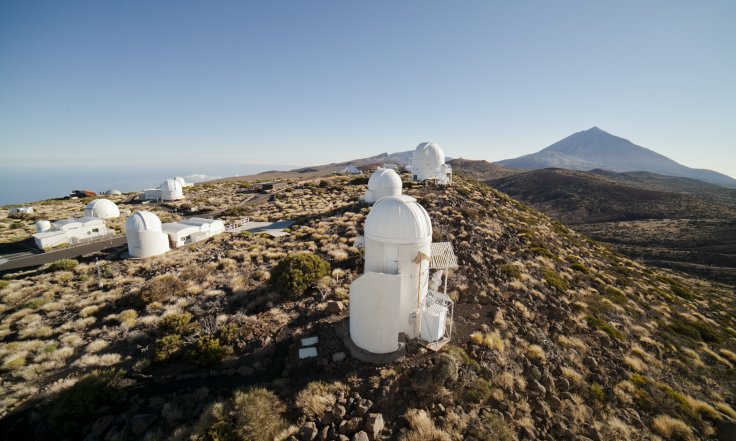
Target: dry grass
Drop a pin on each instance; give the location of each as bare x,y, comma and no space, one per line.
535,352
703,408
672,428
726,409
422,428
492,340
317,397
572,375
634,363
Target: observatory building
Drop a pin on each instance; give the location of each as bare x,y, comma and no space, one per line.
145,236
169,190
69,231
428,164
393,295
194,229
383,182
183,183
102,209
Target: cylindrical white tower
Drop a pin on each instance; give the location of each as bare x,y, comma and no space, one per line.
145,237
398,234
383,182
426,161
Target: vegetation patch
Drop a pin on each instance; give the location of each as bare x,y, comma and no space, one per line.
598,323
162,288
555,281
63,265
297,272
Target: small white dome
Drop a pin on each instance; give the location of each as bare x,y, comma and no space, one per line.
43,225
429,152
398,220
113,192
180,180
384,178
101,209
143,221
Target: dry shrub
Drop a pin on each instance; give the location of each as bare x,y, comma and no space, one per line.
672,428
726,409
634,363
258,414
162,288
317,397
703,408
615,429
491,341
535,352
422,427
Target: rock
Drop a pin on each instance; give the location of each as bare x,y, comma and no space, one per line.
308,431
334,307
339,411
102,423
374,424
337,357
554,403
139,423
327,419
726,430
324,433
360,436
343,438
353,425
246,370
534,372
526,433
343,429
563,385
590,362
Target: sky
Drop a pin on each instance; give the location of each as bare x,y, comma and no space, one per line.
310,82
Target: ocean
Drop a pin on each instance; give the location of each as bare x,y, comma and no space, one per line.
25,184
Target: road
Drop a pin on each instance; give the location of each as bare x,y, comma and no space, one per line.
35,260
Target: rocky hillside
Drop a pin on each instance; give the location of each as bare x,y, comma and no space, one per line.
554,337
597,149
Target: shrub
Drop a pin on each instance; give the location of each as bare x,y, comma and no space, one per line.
297,272
422,427
476,392
597,392
490,427
37,302
555,281
258,414
208,351
179,324
597,323
63,265
167,347
79,405
4,283
510,270
580,267
162,288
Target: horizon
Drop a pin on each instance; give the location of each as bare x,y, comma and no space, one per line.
184,83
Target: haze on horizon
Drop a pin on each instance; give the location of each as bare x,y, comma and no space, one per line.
183,82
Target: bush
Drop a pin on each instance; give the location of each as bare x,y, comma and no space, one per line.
167,347
79,405
672,428
490,427
179,324
555,281
296,273
597,392
63,265
208,351
317,397
597,323
37,302
510,270
162,288
476,392
580,267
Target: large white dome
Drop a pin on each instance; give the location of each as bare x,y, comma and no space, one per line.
143,221
171,189
384,178
429,152
398,220
102,209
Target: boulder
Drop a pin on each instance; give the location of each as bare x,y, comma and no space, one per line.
102,423
374,424
360,436
139,423
308,431
334,307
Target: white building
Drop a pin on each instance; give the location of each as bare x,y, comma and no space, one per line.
21,210
428,163
145,236
172,190
351,170
192,230
113,192
102,209
383,182
393,296
69,231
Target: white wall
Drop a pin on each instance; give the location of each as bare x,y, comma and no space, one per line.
147,243
374,312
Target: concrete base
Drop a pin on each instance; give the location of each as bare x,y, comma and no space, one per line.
342,329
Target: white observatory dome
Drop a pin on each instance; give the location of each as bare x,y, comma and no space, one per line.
180,180
171,190
43,225
426,161
101,209
383,182
398,220
143,221
113,192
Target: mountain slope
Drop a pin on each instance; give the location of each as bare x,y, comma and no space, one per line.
690,229
594,148
554,336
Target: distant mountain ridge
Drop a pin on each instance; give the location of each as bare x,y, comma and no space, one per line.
596,149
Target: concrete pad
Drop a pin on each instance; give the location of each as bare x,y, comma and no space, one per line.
307,352
310,341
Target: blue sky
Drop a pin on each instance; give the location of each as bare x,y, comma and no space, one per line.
307,82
